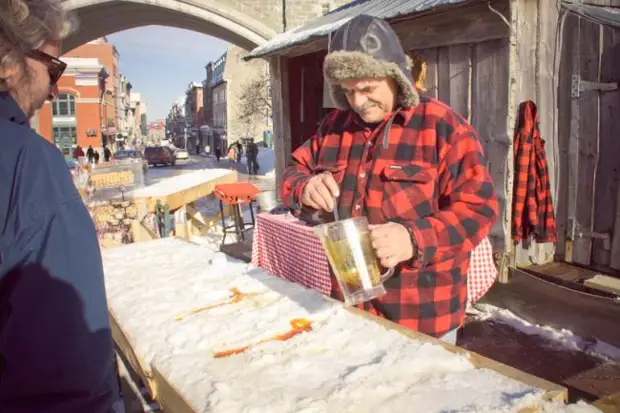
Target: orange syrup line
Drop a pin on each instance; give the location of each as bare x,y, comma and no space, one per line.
299,326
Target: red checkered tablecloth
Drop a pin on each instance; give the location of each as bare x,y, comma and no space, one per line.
286,247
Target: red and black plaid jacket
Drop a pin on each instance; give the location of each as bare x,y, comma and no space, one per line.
425,170
532,208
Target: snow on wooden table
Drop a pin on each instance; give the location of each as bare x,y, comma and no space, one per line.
180,183
347,363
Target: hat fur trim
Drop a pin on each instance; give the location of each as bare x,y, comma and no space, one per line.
345,65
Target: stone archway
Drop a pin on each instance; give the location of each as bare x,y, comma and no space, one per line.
240,22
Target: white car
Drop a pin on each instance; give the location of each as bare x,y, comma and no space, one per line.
181,154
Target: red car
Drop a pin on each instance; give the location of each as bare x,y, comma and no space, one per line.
160,155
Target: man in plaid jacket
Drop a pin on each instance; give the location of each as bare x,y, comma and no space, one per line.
410,164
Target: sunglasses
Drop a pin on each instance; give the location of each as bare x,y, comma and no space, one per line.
55,67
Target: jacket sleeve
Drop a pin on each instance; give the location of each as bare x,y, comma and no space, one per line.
298,173
468,206
55,340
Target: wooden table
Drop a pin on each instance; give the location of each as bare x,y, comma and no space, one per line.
177,196
160,387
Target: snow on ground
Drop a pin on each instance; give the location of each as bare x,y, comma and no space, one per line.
563,337
346,363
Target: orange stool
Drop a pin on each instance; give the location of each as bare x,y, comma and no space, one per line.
235,195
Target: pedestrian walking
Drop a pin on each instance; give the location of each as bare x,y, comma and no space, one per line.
107,154
252,157
56,348
218,152
90,154
239,149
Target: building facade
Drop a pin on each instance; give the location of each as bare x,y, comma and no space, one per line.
225,89
108,56
94,106
77,112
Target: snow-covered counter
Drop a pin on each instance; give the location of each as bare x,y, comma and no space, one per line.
174,311
181,190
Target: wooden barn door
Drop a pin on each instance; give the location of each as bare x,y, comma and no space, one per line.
591,55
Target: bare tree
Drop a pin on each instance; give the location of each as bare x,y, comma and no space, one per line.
254,102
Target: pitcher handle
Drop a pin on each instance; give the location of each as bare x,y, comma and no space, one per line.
388,274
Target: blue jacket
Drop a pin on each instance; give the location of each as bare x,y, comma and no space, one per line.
56,350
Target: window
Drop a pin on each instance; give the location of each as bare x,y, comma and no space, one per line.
59,132
64,105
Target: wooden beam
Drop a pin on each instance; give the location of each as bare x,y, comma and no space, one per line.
450,26
609,404
457,25
281,116
583,149
608,173
615,240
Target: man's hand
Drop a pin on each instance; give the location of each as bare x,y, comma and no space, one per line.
320,191
392,243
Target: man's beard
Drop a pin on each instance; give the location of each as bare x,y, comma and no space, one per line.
38,98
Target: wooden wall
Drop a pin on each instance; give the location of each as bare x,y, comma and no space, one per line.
533,39
471,74
590,162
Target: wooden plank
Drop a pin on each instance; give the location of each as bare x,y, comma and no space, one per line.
525,75
431,58
564,103
548,16
615,240
608,173
541,299
489,116
169,397
443,75
456,25
604,283
587,151
609,404
281,122
460,78
181,198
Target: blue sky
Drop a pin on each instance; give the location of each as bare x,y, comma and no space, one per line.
161,61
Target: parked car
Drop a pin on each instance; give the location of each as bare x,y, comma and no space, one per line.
132,154
160,155
181,154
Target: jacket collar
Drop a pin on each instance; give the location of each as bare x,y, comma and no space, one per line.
10,110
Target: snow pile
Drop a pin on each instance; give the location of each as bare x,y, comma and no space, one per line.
563,337
345,364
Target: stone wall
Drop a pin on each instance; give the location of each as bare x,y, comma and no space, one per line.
237,74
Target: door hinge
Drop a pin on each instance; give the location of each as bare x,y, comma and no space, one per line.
578,85
577,231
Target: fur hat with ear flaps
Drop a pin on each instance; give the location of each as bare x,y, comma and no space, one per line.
367,47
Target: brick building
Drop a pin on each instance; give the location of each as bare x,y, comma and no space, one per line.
108,56
95,105
77,111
